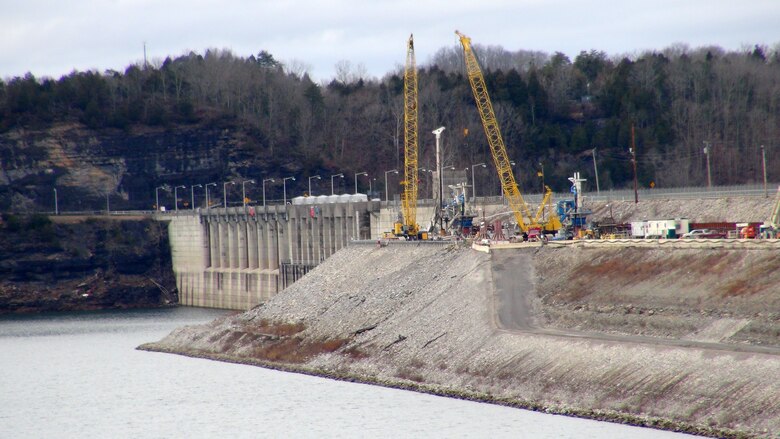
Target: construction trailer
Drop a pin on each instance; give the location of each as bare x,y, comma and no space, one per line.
663,229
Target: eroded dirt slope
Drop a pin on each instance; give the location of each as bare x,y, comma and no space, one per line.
680,293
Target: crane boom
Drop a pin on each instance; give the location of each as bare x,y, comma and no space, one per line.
493,133
409,197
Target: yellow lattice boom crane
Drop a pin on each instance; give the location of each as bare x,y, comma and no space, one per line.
502,163
408,226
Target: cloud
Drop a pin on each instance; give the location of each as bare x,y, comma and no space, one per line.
49,37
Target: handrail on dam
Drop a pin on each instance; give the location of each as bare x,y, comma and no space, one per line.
386,242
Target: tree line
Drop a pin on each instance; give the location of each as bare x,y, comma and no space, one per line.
553,111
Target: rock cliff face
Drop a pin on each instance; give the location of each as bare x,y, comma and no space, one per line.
82,264
86,166
435,319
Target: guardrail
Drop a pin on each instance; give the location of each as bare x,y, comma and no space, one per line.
753,190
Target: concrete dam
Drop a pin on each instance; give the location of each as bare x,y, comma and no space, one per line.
236,258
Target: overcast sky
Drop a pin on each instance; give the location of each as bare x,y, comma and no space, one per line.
54,37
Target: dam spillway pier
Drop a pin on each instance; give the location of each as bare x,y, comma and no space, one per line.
238,257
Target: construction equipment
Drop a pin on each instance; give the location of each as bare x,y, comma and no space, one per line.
407,226
520,209
774,221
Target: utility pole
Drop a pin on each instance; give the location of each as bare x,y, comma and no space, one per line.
633,160
596,171
437,215
763,165
707,154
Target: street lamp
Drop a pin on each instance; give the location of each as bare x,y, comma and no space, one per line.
176,197
56,205
267,179
224,192
387,193
356,176
474,182
318,178
284,187
243,189
437,132
157,196
331,182
192,195
707,153
430,172
208,204
763,165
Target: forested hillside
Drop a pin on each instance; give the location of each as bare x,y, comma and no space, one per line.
553,112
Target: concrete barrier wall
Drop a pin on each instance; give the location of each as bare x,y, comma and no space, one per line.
231,258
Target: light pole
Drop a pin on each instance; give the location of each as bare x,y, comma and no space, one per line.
763,163
284,187
224,192
331,182
318,178
243,189
192,195
707,154
157,196
387,193
430,172
208,204
176,197
437,132
356,176
56,205
267,179
474,182
596,171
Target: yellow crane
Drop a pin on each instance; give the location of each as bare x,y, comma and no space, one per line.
409,227
496,142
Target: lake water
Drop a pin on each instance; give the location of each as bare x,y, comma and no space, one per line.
78,375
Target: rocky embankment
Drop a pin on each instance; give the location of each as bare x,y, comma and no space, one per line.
434,318
83,264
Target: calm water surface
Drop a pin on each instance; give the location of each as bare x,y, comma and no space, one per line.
79,376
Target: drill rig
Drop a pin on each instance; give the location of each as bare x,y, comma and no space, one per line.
407,225
522,213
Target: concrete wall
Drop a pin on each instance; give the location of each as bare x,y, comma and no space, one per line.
231,258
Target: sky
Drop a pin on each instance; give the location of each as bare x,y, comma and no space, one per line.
54,37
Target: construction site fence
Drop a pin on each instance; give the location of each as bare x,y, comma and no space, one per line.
394,242
693,192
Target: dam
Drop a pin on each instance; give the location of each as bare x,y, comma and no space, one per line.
236,258
239,257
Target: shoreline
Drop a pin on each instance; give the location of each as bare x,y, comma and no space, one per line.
596,415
